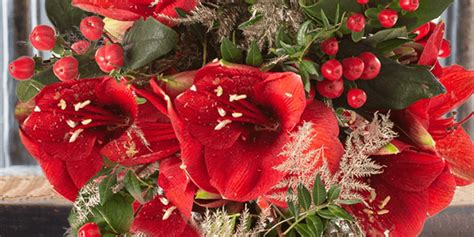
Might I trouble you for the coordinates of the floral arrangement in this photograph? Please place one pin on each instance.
(246, 118)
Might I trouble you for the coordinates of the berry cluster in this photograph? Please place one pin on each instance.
(109, 57)
(365, 66)
(386, 17)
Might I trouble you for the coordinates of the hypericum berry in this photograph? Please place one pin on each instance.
(330, 46)
(356, 22)
(109, 57)
(372, 65)
(445, 50)
(330, 89)
(388, 18)
(422, 31)
(92, 27)
(353, 68)
(80, 47)
(22, 68)
(43, 38)
(90, 229)
(356, 98)
(332, 70)
(66, 69)
(409, 5)
(362, 1)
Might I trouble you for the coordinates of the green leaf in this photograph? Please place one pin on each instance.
(334, 192)
(147, 41)
(294, 210)
(387, 34)
(397, 86)
(132, 184)
(349, 202)
(88, 67)
(254, 56)
(302, 33)
(319, 191)
(340, 212)
(303, 230)
(357, 36)
(427, 11)
(325, 213)
(105, 188)
(230, 52)
(315, 224)
(251, 22)
(26, 90)
(372, 13)
(304, 197)
(117, 212)
(390, 45)
(63, 15)
(330, 8)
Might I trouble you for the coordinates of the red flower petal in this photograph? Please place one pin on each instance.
(168, 8)
(400, 169)
(117, 9)
(156, 219)
(457, 148)
(177, 186)
(81, 171)
(441, 192)
(430, 53)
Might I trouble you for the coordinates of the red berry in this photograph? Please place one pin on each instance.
(353, 68)
(330, 89)
(362, 1)
(388, 18)
(409, 5)
(330, 46)
(80, 47)
(66, 69)
(356, 98)
(356, 22)
(43, 38)
(372, 65)
(90, 229)
(92, 27)
(23, 68)
(445, 50)
(332, 70)
(109, 57)
(422, 31)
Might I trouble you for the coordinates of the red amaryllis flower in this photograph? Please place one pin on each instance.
(133, 10)
(413, 186)
(159, 218)
(232, 124)
(323, 142)
(69, 125)
(424, 124)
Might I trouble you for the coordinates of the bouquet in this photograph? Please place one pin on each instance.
(246, 118)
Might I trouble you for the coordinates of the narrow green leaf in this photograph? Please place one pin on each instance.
(319, 191)
(26, 90)
(334, 192)
(304, 197)
(387, 34)
(326, 214)
(303, 230)
(147, 41)
(132, 184)
(254, 56)
(315, 224)
(294, 210)
(325, 19)
(357, 36)
(302, 32)
(251, 22)
(349, 202)
(340, 212)
(230, 52)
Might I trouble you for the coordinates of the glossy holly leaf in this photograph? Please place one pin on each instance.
(132, 184)
(304, 197)
(64, 16)
(26, 90)
(319, 191)
(340, 212)
(230, 52)
(117, 212)
(254, 56)
(427, 11)
(147, 41)
(397, 86)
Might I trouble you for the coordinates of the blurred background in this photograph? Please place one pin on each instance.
(19, 16)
